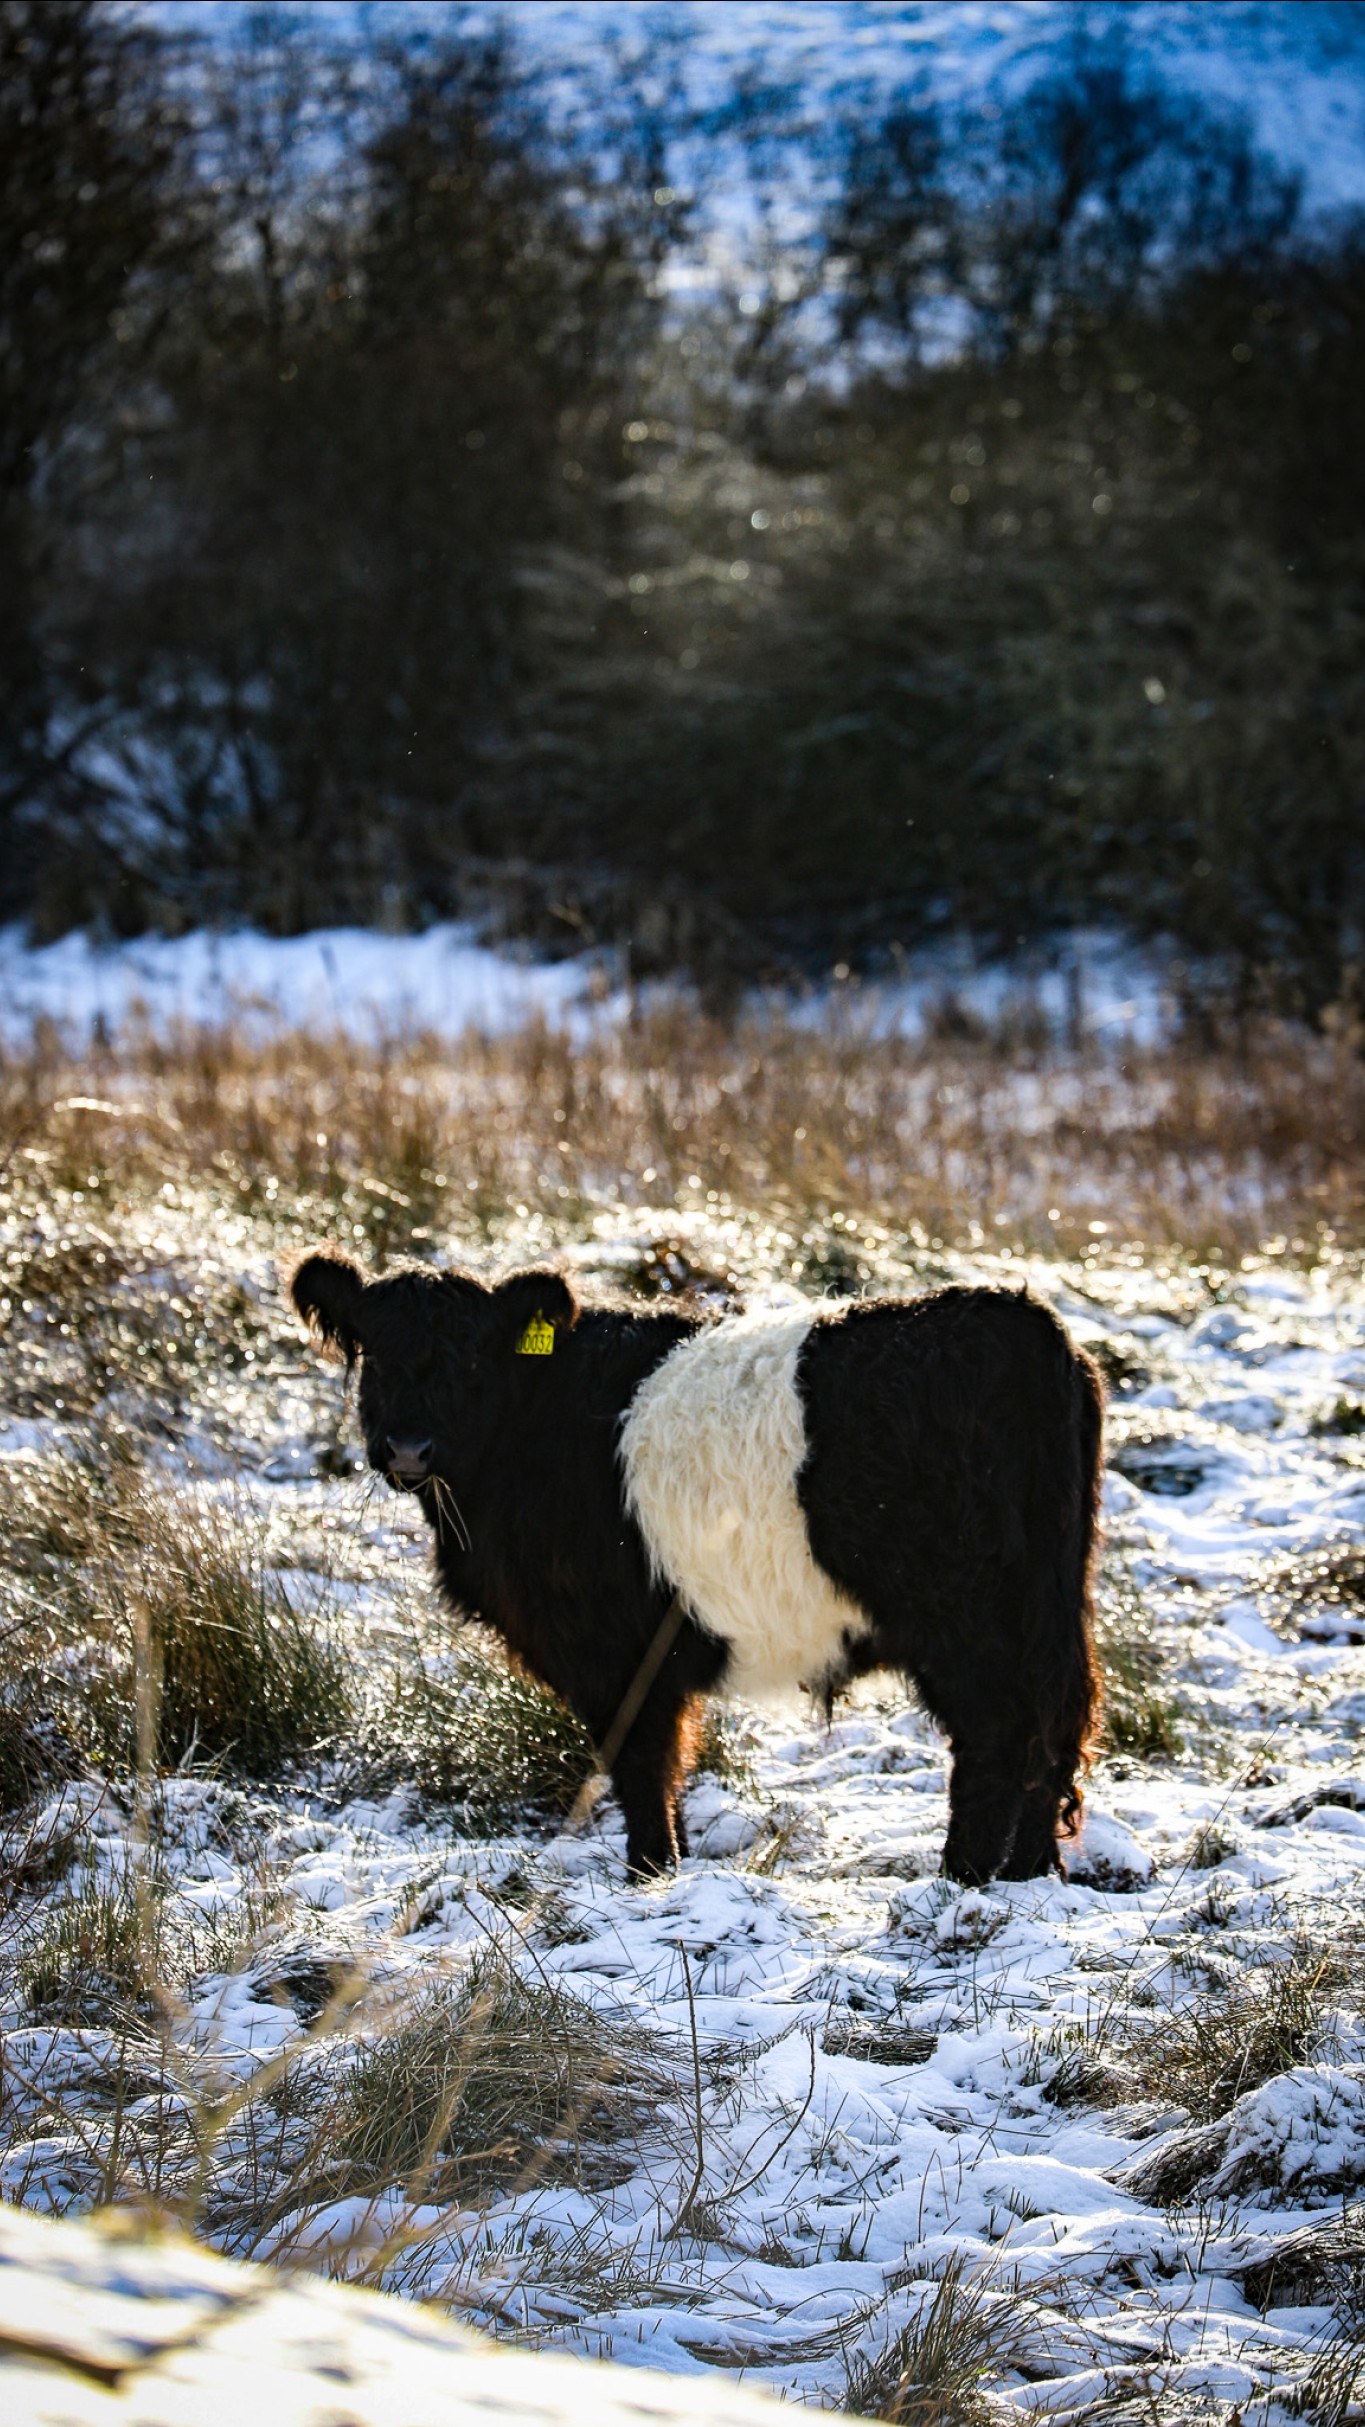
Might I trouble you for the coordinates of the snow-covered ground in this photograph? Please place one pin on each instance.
(893, 2071)
(1295, 67)
(361, 983)
(355, 981)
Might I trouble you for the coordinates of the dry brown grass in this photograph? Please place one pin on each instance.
(828, 1126)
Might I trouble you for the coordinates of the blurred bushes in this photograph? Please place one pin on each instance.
(410, 514)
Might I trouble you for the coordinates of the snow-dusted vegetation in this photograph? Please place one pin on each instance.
(313, 1937)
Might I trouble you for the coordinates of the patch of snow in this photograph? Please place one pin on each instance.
(1305, 2127)
(1106, 1854)
(351, 981)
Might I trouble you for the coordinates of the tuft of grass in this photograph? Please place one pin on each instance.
(671, 1268)
(30, 1758)
(58, 1517)
(727, 1748)
(1326, 2393)
(1345, 1417)
(1140, 1714)
(239, 1674)
(478, 2082)
(1202, 2054)
(99, 1953)
(37, 1852)
(1211, 1843)
(478, 1735)
(1120, 1359)
(118, 1586)
(1319, 2265)
(1209, 2052)
(878, 2041)
(933, 2373)
(1328, 1583)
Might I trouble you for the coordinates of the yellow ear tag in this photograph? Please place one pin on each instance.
(538, 1339)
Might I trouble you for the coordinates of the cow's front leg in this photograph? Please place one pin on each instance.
(647, 1775)
(649, 1767)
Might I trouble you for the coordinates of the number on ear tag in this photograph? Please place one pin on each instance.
(538, 1339)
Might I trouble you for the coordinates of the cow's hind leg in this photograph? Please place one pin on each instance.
(1034, 1851)
(985, 1802)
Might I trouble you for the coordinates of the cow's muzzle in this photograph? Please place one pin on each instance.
(409, 1462)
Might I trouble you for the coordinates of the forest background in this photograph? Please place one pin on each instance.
(755, 533)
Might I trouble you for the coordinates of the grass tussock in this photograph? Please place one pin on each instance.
(480, 2081)
(123, 1594)
(29, 1756)
(110, 1946)
(1326, 2395)
(475, 1734)
(1207, 2053)
(1321, 2265)
(1141, 1715)
(1323, 1589)
(243, 1676)
(726, 1748)
(100, 1952)
(1202, 2052)
(933, 2373)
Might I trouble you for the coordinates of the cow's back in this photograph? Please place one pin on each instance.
(942, 1446)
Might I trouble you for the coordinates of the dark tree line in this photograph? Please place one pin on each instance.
(387, 528)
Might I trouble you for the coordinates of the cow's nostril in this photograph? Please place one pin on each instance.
(409, 1457)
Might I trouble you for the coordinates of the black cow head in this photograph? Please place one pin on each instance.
(431, 1347)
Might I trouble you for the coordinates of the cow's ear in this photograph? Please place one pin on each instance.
(329, 1291)
(531, 1309)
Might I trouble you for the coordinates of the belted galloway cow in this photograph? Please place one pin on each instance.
(651, 1506)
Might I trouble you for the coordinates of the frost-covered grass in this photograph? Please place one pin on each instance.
(136, 1603)
(310, 1935)
(931, 2373)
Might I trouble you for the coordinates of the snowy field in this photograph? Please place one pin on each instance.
(360, 983)
(1116, 2124)
(352, 981)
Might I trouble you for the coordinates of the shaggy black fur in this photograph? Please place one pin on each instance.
(949, 1486)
